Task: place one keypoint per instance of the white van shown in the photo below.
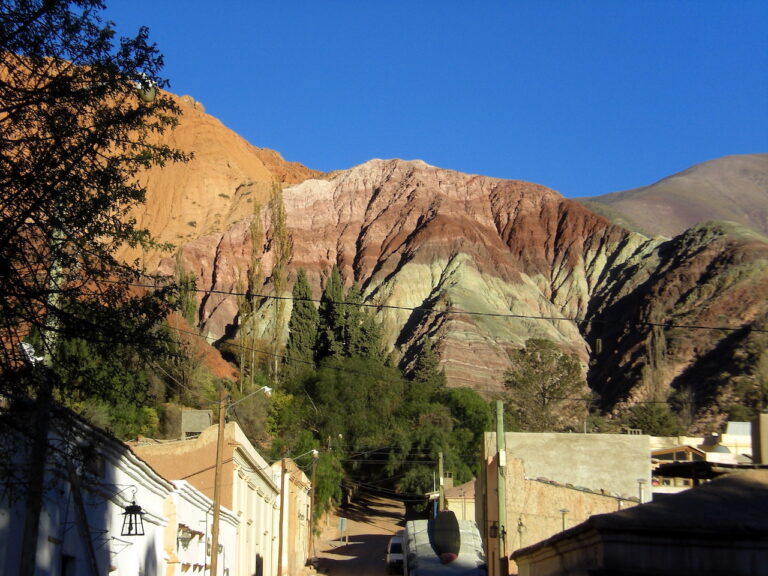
(395, 553)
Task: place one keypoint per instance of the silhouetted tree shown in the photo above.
(79, 115)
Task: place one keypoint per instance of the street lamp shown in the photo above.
(184, 536)
(223, 398)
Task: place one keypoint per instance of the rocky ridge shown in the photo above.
(478, 265)
(226, 180)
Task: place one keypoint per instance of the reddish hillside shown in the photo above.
(226, 181)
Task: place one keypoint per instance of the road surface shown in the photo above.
(360, 551)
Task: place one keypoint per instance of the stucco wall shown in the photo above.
(534, 507)
(548, 472)
(612, 462)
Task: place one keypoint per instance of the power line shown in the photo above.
(451, 310)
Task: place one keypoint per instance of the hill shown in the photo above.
(478, 265)
(733, 188)
(226, 180)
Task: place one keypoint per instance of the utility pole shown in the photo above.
(441, 486)
(217, 483)
(501, 481)
(283, 473)
(312, 505)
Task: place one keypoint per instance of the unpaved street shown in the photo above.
(370, 521)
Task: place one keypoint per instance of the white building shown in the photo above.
(188, 535)
(89, 480)
(249, 488)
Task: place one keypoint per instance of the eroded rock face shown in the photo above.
(480, 265)
(477, 254)
(226, 180)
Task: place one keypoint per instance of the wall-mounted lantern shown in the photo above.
(493, 531)
(133, 524)
(184, 537)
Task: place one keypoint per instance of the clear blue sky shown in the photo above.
(586, 97)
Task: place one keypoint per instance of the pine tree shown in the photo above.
(354, 316)
(330, 338)
(427, 378)
(302, 327)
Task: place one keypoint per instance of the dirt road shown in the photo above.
(370, 521)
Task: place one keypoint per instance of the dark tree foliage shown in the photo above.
(80, 112)
(330, 336)
(302, 329)
(546, 391)
(77, 122)
(655, 419)
(427, 377)
(364, 412)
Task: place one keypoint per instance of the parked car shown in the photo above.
(395, 553)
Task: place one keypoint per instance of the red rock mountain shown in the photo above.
(226, 180)
(478, 264)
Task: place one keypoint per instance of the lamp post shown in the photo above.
(223, 397)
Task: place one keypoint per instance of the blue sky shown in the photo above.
(586, 97)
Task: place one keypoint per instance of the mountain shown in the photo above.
(226, 180)
(479, 265)
(733, 188)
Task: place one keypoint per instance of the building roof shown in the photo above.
(466, 490)
(735, 505)
(703, 469)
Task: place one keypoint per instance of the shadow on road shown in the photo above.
(367, 509)
(358, 544)
(370, 521)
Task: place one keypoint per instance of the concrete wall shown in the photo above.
(611, 462)
(545, 473)
(90, 478)
(190, 508)
(295, 490)
(535, 508)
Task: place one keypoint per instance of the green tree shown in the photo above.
(187, 283)
(249, 301)
(545, 388)
(75, 128)
(655, 419)
(427, 377)
(330, 337)
(302, 328)
(80, 116)
(281, 248)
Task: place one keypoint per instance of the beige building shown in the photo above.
(249, 488)
(295, 490)
(461, 500)
(720, 527)
(551, 482)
